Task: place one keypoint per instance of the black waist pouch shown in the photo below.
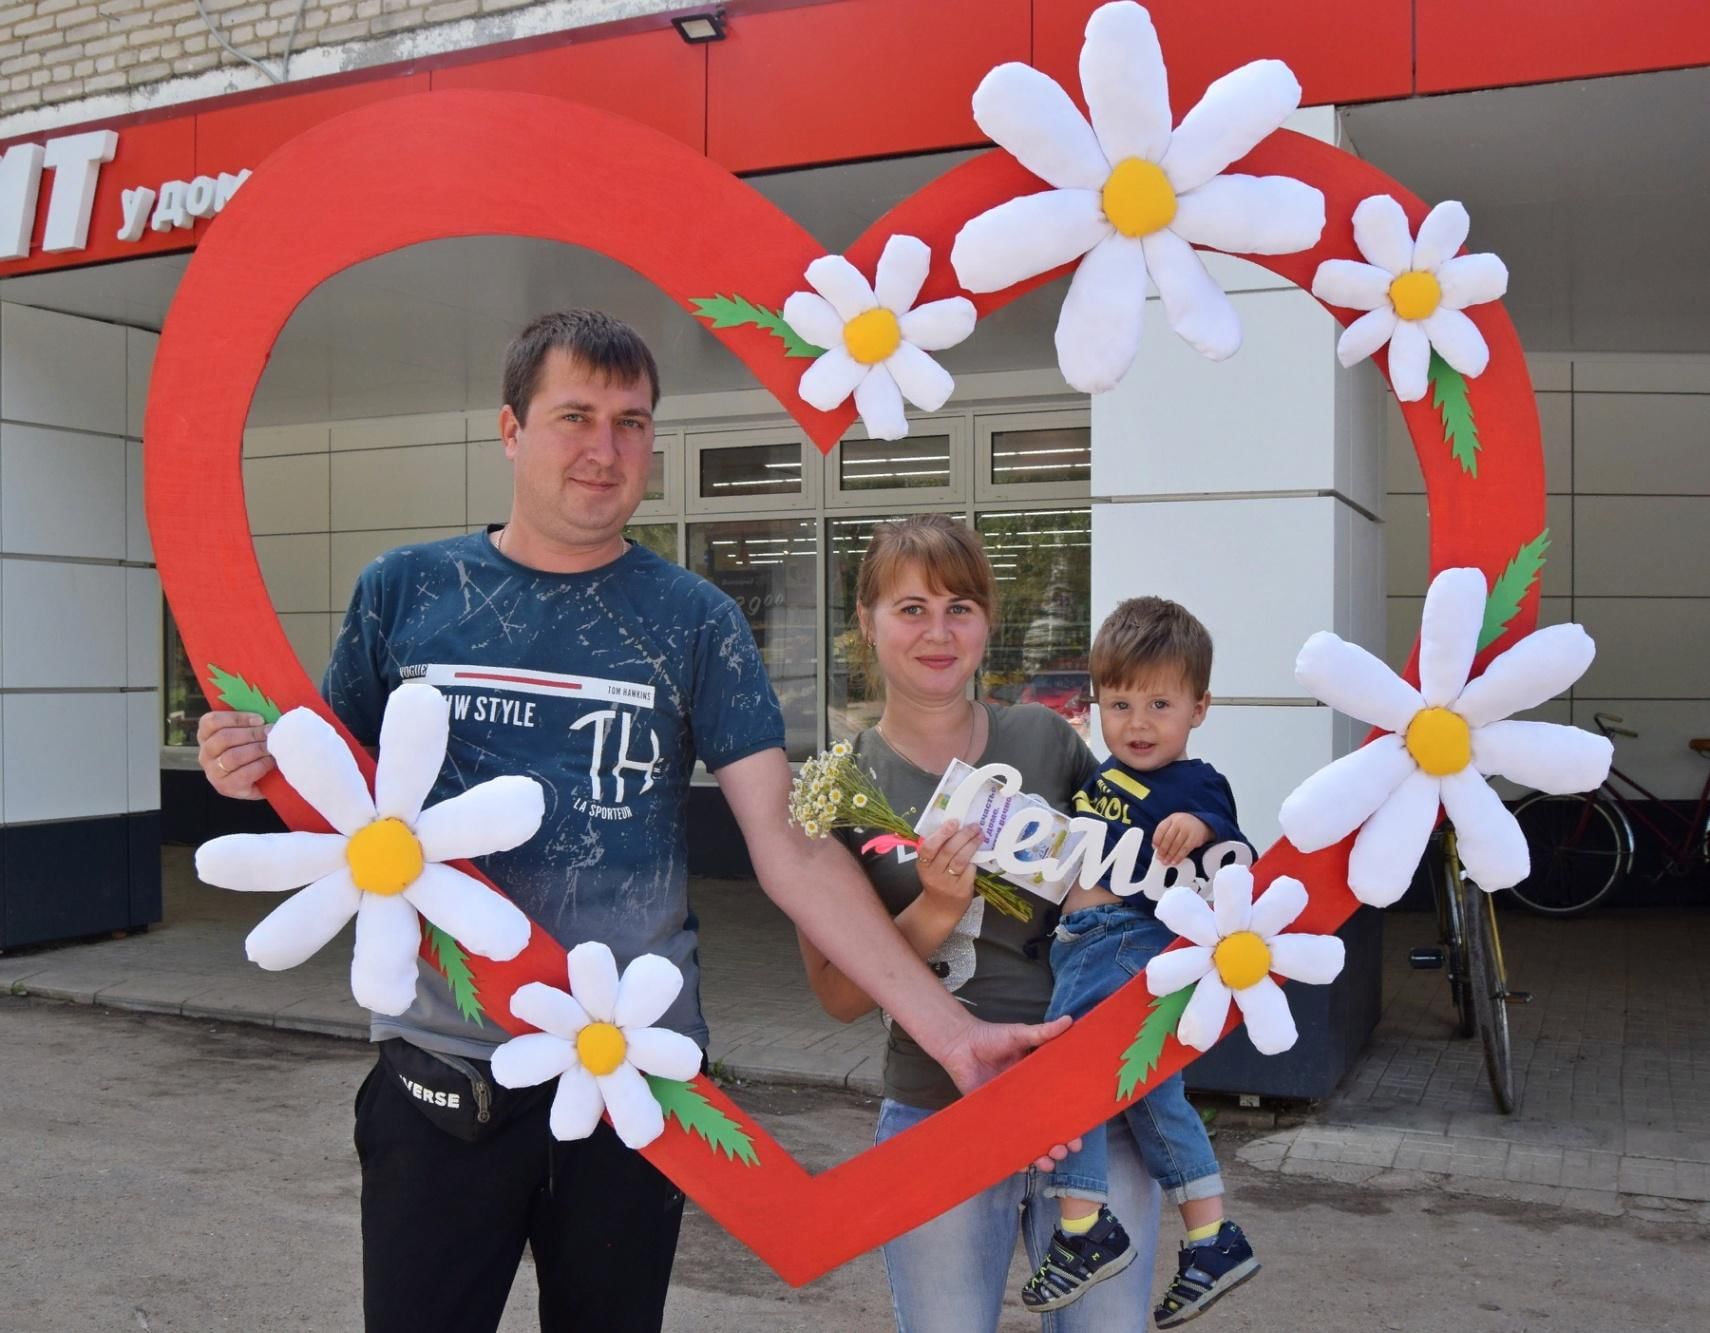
(457, 1095)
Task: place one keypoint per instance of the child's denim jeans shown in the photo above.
(1097, 951)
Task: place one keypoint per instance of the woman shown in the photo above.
(925, 601)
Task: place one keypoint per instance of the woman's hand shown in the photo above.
(946, 866)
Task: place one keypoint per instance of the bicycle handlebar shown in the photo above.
(1606, 724)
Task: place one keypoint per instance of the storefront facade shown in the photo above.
(1276, 494)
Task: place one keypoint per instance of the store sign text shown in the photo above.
(76, 161)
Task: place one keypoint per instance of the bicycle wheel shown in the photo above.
(1446, 871)
(1580, 848)
(1490, 993)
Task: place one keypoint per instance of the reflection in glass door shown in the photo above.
(768, 565)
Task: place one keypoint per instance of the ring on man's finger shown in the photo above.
(221, 765)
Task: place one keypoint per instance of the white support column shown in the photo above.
(1251, 491)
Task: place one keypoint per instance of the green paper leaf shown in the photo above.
(455, 965)
(1510, 589)
(237, 693)
(700, 1117)
(1449, 396)
(1141, 1057)
(730, 312)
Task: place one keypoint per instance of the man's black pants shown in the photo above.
(444, 1221)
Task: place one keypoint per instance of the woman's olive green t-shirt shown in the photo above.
(995, 965)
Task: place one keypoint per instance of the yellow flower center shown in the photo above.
(872, 337)
(1242, 960)
(1439, 741)
(1138, 198)
(1415, 295)
(601, 1048)
(384, 857)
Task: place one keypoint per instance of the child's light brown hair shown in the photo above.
(1145, 634)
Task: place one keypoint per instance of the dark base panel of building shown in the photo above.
(78, 878)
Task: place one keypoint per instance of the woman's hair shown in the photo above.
(948, 553)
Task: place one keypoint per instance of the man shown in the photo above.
(603, 671)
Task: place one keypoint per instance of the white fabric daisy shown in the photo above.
(876, 338)
(384, 864)
(598, 1042)
(1131, 196)
(1413, 292)
(1234, 945)
(1444, 739)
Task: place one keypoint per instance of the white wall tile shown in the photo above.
(295, 570)
(1647, 373)
(311, 639)
(143, 618)
(490, 483)
(64, 756)
(1360, 564)
(138, 545)
(264, 441)
(1642, 443)
(1260, 574)
(59, 370)
(1551, 372)
(1179, 424)
(1361, 439)
(140, 345)
(1652, 546)
(61, 493)
(1647, 648)
(61, 625)
(287, 494)
(482, 423)
(1555, 430)
(1659, 758)
(142, 767)
(392, 432)
(410, 487)
(1265, 752)
(351, 552)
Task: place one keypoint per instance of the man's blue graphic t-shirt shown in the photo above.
(1125, 798)
(604, 686)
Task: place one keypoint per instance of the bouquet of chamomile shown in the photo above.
(833, 791)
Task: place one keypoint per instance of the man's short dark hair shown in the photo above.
(604, 345)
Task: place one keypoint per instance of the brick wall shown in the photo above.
(66, 51)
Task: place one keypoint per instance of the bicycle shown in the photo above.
(1470, 950)
(1582, 846)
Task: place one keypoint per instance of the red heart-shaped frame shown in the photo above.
(417, 169)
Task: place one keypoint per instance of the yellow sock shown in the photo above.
(1078, 1226)
(1206, 1232)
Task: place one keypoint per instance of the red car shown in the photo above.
(1066, 692)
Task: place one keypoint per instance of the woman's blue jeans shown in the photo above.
(952, 1274)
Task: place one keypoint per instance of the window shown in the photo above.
(752, 469)
(853, 700)
(664, 494)
(928, 467)
(770, 566)
(1040, 647)
(660, 538)
(181, 692)
(1034, 455)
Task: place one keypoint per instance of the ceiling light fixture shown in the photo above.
(696, 29)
